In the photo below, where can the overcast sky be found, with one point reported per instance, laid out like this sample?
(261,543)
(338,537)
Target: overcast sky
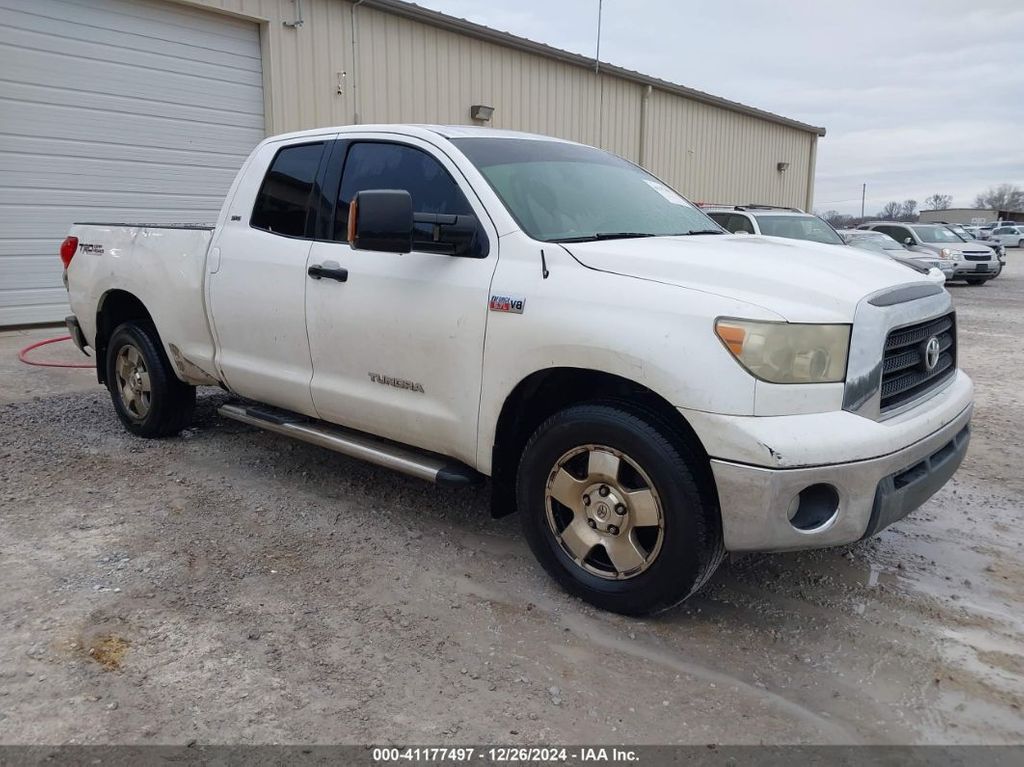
(918,96)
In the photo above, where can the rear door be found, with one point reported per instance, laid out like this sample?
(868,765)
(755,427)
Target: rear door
(397,348)
(257,276)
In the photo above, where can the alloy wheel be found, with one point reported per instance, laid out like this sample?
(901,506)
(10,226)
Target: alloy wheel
(604,512)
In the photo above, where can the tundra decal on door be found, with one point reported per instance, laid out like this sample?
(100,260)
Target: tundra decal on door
(398,383)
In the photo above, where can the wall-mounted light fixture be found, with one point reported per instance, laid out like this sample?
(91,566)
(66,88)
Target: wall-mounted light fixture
(481,112)
(299,21)
(782,167)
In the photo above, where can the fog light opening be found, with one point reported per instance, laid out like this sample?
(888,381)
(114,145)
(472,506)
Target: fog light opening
(814,507)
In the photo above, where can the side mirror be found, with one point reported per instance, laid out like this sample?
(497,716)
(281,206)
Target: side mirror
(382,220)
(908,241)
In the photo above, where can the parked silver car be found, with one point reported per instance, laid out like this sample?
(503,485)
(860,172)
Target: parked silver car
(878,242)
(974,263)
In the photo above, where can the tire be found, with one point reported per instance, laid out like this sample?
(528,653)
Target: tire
(977,280)
(648,558)
(149,398)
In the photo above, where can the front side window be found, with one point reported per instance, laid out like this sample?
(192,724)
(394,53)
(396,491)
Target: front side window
(898,233)
(557,191)
(809,228)
(372,165)
(282,205)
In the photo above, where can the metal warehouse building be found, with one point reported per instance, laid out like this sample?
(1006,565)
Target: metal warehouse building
(142,110)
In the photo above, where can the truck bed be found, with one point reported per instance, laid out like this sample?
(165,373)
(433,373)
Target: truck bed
(164,266)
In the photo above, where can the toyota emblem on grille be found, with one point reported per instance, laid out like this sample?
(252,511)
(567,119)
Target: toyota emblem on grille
(931,354)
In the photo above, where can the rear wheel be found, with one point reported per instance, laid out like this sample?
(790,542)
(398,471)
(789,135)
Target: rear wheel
(611,508)
(149,398)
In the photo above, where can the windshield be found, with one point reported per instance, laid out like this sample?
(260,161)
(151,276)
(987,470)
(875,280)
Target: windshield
(561,191)
(798,228)
(937,234)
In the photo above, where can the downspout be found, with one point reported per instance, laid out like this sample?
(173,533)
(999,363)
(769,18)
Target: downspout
(355,65)
(811,162)
(645,101)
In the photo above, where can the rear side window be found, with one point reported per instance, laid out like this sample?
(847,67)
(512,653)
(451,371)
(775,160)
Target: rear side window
(395,166)
(739,224)
(282,205)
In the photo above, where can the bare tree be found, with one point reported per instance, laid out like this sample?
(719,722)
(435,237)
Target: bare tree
(1002,197)
(891,211)
(938,202)
(836,219)
(908,210)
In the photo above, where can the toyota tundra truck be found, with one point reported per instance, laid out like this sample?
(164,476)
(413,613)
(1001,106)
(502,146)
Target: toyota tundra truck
(646,390)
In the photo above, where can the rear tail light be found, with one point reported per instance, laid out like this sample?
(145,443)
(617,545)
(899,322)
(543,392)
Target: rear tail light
(67,250)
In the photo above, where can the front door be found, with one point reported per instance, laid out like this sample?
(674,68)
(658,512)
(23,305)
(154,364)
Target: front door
(397,347)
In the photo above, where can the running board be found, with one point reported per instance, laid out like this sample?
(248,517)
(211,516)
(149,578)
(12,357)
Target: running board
(429,466)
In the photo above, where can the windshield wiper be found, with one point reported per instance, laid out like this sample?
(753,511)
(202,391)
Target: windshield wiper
(704,231)
(604,236)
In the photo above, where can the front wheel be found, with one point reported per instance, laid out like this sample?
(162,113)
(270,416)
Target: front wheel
(149,398)
(611,507)
(977,280)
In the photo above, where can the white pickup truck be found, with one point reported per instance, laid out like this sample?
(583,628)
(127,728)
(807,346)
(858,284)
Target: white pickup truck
(646,390)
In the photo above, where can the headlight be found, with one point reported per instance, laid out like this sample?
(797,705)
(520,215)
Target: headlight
(782,352)
(945,253)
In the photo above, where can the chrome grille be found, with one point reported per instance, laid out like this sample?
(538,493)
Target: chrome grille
(904,372)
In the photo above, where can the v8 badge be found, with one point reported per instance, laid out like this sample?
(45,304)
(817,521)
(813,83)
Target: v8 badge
(511,304)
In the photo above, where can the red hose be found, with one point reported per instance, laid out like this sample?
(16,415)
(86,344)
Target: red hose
(23,355)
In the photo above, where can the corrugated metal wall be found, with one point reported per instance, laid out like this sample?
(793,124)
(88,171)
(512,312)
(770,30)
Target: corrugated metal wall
(403,70)
(120,110)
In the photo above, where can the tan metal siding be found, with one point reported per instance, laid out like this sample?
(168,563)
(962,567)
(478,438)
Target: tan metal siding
(405,70)
(716,155)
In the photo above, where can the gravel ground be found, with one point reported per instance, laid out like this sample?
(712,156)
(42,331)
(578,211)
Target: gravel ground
(232,586)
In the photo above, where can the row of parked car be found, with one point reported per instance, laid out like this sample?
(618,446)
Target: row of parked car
(1010,234)
(945,251)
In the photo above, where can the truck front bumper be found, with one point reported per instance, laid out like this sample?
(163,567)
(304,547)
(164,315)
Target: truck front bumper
(832,502)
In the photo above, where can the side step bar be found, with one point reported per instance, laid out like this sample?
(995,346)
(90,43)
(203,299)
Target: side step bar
(429,466)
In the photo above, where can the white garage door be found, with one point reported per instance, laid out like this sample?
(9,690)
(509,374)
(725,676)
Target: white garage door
(113,110)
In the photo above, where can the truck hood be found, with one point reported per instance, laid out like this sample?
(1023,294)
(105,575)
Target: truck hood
(798,280)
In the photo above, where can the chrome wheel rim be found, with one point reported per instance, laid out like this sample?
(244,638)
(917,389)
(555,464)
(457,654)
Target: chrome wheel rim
(604,511)
(133,381)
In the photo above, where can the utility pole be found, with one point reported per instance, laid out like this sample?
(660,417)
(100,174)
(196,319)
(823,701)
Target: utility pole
(863,193)
(597,53)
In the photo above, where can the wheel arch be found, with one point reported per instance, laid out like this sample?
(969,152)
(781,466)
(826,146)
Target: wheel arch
(115,307)
(544,392)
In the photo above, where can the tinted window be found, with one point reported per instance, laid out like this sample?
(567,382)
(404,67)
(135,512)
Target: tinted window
(282,205)
(395,166)
(898,233)
(739,223)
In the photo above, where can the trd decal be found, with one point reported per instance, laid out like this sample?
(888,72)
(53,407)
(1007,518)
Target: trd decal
(511,304)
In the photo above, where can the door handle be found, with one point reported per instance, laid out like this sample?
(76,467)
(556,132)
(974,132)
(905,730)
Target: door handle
(316,271)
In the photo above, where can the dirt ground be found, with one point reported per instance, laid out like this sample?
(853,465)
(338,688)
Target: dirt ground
(230,586)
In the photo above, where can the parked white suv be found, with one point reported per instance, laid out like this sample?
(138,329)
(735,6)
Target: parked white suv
(647,391)
(773,221)
(1010,236)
